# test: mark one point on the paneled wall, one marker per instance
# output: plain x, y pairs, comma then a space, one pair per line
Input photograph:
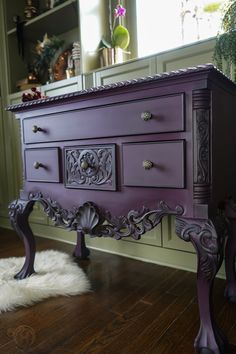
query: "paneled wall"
160, 245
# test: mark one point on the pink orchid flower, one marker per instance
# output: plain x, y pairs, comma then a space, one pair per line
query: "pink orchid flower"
119, 11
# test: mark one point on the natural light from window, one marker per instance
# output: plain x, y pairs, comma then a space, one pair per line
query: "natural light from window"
163, 25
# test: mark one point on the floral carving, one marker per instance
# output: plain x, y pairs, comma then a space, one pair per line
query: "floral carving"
91, 168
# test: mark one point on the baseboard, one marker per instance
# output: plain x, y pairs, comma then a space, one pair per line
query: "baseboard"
135, 250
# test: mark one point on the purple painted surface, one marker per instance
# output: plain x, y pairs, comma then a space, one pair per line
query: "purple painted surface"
167, 159
42, 165
190, 139
116, 120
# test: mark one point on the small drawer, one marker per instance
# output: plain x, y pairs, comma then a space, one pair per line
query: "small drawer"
154, 164
90, 167
42, 165
152, 115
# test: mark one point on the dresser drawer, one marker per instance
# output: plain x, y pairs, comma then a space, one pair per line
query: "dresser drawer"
42, 165
155, 115
90, 167
154, 164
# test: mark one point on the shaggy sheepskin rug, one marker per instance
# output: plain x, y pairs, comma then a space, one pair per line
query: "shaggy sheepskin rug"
56, 274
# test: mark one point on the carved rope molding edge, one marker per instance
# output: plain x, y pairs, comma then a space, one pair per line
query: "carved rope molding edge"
91, 219
173, 73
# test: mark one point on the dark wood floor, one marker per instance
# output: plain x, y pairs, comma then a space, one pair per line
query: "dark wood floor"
135, 307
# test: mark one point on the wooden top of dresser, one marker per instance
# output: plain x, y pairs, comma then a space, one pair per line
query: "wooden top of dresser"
187, 73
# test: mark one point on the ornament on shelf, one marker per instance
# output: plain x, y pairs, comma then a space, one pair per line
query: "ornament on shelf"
76, 57
30, 10
70, 72
63, 65
31, 78
45, 53
29, 81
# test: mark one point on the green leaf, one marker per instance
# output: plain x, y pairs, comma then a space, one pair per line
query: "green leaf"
104, 44
120, 37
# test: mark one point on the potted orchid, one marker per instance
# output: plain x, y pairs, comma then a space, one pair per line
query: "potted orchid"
112, 50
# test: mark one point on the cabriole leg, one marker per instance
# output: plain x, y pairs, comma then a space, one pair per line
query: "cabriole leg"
209, 248
81, 251
19, 212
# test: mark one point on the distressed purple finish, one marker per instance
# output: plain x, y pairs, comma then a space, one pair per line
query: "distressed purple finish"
174, 136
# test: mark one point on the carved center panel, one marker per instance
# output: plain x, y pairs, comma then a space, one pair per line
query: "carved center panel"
90, 167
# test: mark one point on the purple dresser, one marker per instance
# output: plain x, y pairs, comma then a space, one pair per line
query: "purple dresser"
113, 160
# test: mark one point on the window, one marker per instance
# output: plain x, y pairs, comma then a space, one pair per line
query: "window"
163, 25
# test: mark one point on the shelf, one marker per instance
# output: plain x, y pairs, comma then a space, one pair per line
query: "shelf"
60, 19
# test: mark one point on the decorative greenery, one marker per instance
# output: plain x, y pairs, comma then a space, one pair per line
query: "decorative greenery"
229, 18
119, 35
225, 48
44, 54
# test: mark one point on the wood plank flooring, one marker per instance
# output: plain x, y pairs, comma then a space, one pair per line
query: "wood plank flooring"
133, 308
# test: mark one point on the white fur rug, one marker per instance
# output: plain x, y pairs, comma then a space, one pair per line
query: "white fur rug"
56, 274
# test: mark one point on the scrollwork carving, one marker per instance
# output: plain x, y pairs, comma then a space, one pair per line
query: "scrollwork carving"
202, 145
91, 219
17, 208
207, 238
201, 125
137, 222
92, 168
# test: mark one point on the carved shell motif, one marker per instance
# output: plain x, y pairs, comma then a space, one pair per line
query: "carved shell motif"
88, 217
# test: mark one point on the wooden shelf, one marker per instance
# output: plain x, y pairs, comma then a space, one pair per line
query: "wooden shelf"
60, 19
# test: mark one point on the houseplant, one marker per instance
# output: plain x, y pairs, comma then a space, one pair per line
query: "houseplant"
112, 49
225, 48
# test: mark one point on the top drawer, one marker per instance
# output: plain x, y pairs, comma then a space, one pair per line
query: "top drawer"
153, 115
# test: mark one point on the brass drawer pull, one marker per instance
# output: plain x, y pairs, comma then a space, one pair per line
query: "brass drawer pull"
146, 115
147, 165
37, 164
36, 129
84, 165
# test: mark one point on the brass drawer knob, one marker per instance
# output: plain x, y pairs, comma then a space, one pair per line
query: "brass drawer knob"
36, 129
146, 115
84, 165
37, 164
147, 165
